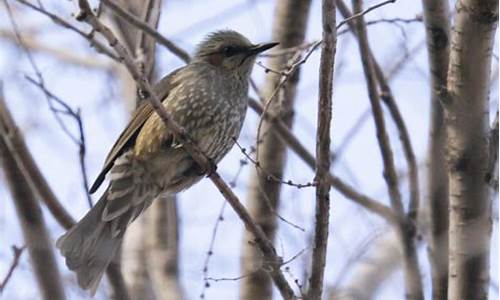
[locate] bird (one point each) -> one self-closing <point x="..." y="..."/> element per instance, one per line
<point x="208" y="97"/>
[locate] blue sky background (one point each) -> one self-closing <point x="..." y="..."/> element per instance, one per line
<point x="186" y="23"/>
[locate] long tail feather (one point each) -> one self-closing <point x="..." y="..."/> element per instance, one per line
<point x="89" y="247"/>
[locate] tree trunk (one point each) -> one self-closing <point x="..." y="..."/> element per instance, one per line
<point x="466" y="111"/>
<point x="437" y="24"/>
<point x="263" y="197"/>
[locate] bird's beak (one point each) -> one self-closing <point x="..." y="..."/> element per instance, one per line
<point x="261" y="48"/>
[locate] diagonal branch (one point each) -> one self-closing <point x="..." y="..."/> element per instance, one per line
<point x="59" y="21"/>
<point x="30" y="216"/>
<point x="412" y="271"/>
<point x="388" y="99"/>
<point x="17" y="252"/>
<point x="348" y="191"/>
<point x="133" y="20"/>
<point x="86" y="15"/>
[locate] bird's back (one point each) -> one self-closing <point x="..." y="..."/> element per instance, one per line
<point x="209" y="103"/>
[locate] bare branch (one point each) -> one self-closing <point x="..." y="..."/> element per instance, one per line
<point x="388" y="99"/>
<point x="30" y="216"/>
<point x="412" y="271"/>
<point x="268" y="174"/>
<point x="323" y="159"/>
<point x="364" y="12"/>
<point x="345" y="189"/>
<point x="17" y="148"/>
<point x="210" y="251"/>
<point x="77" y="118"/>
<point x="16" y="253"/>
<point x="279" y="90"/>
<point x="100" y="48"/>
<point x="147" y="29"/>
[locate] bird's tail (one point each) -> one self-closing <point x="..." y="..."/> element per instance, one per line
<point x="89" y="246"/>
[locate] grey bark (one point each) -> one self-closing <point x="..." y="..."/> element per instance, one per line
<point x="263" y="198"/>
<point x="437" y="24"/>
<point x="466" y="112"/>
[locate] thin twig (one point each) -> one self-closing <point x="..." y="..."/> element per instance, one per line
<point x="16" y="254"/>
<point x="295" y="62"/>
<point x="80" y="141"/>
<point x="66" y="108"/>
<point x="364" y="12"/>
<point x="11" y="136"/>
<point x="346" y="190"/>
<point x="210" y="251"/>
<point x="133" y="20"/>
<point x="29" y="213"/>
<point x="270" y="176"/>
<point x="100" y="48"/>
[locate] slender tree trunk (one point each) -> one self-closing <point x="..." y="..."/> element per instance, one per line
<point x="437" y="24"/>
<point x="315" y="289"/>
<point x="466" y="111"/>
<point x="30" y="216"/>
<point x="263" y="199"/>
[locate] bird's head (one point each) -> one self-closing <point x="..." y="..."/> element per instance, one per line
<point x="231" y="51"/>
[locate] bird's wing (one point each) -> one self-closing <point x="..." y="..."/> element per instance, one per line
<point x="128" y="136"/>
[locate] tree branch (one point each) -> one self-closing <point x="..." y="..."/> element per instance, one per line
<point x="388" y="99"/>
<point x="323" y="157"/>
<point x="133" y="20"/>
<point x="264" y="191"/>
<point x="412" y="271"/>
<point x="17" y="252"/>
<point x="86" y="15"/>
<point x="99" y="47"/>
<point x="348" y="191"/>
<point x="30" y="216"/>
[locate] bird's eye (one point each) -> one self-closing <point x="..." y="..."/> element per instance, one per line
<point x="229" y="51"/>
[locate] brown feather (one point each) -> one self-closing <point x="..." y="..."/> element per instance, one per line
<point x="127" y="138"/>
